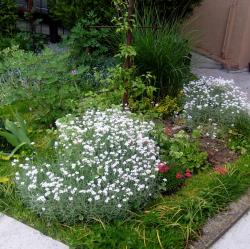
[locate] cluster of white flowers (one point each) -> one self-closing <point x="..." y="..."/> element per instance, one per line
<point x="105" y="166"/>
<point x="213" y="101"/>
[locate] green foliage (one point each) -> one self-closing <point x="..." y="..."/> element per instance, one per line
<point x="178" y="9"/>
<point x="185" y="151"/>
<point x="163" y="52"/>
<point x="168" y="182"/>
<point x="30" y="41"/>
<point x="140" y="89"/>
<point x="15" y="134"/>
<point x="71" y="12"/>
<point x="8" y="17"/>
<point x="242" y="124"/>
<point x="168" y="106"/>
<point x="44" y="81"/>
<point x="239" y="134"/>
<point x="88" y="43"/>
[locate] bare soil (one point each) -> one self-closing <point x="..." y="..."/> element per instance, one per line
<point x="218" y="153"/>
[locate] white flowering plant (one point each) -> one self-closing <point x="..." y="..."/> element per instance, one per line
<point x="214" y="103"/>
<point x="105" y="166"/>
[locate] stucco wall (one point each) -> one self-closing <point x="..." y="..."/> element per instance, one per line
<point x="221" y="30"/>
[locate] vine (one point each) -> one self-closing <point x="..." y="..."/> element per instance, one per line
<point x="125" y="22"/>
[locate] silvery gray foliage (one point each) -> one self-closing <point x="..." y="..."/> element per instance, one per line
<point x="106" y="166"/>
<point x="213" y="102"/>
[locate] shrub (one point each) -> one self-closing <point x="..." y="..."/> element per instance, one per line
<point x="163" y="52"/>
<point x="8" y="17"/>
<point x="30" y="41"/>
<point x="87" y="44"/>
<point x="214" y="103"/>
<point x="71" y="12"/>
<point x="184" y="150"/>
<point x="45" y="82"/>
<point x="104" y="166"/>
<point x="168" y="106"/>
<point x="172" y="178"/>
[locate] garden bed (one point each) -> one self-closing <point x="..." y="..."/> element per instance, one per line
<point x="87" y="156"/>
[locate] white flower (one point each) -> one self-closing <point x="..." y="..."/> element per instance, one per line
<point x="102" y="158"/>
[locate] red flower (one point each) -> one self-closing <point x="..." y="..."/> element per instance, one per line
<point x="188" y="173"/>
<point x="179" y="175"/>
<point x="221" y="170"/>
<point x="163" y="168"/>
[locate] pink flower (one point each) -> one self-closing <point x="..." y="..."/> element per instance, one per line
<point x="163" y="168"/>
<point x="188" y="173"/>
<point x="179" y="175"/>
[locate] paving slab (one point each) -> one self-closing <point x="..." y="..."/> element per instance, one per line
<point x="237" y="237"/>
<point x="16" y="235"/>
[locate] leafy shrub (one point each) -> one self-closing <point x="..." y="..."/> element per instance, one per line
<point x="163" y="52"/>
<point x="71" y="12"/>
<point x="172" y="177"/>
<point x="44" y="82"/>
<point x="8" y="17"/>
<point x="89" y="43"/>
<point x="14" y="87"/>
<point x="214" y="103"/>
<point x="184" y="150"/>
<point x="30" y="41"/>
<point x="104" y="166"/>
<point x="178" y="9"/>
<point x="168" y="106"/>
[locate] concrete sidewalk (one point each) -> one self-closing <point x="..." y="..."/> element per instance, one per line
<point x="237" y="237"/>
<point x="15" y="235"/>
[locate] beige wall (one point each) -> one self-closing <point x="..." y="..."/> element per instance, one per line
<point x="221" y="30"/>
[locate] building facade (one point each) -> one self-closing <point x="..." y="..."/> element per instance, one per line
<point x="221" y="31"/>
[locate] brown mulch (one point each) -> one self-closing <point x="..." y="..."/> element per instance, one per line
<point x="218" y="153"/>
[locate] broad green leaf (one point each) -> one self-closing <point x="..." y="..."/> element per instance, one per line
<point x="10" y="138"/>
<point x="18" y="130"/>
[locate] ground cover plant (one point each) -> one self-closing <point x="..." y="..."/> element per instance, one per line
<point x="105" y="166"/>
<point x="215" y="103"/>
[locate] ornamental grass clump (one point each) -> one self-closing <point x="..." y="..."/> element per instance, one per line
<point x="105" y="166"/>
<point x="213" y="102"/>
